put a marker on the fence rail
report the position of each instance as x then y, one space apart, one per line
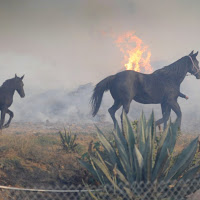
141 191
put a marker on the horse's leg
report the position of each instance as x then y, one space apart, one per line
166 110
166 115
161 120
176 108
11 116
126 107
113 109
3 113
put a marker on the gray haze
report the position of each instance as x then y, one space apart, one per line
59 45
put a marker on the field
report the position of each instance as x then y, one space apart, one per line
31 155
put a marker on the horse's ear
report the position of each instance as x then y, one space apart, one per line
15 75
195 55
22 77
191 53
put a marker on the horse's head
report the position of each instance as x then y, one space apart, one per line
19 85
194 65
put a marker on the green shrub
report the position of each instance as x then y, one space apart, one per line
68 141
139 156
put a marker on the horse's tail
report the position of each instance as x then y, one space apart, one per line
99 89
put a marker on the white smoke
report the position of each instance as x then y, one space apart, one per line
74 106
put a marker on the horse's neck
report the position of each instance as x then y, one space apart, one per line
9 91
178 75
179 79
12 92
9 88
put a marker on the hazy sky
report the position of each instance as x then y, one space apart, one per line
59 44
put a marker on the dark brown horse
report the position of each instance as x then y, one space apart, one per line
160 87
7 91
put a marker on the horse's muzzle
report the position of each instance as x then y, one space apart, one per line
22 96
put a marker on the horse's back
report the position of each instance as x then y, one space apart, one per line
143 88
130 78
124 84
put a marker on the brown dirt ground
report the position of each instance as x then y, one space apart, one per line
31 154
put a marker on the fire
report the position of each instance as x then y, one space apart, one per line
136 54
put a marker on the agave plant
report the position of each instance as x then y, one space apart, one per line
137 157
68 141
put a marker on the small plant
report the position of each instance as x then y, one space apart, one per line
137 157
135 125
68 141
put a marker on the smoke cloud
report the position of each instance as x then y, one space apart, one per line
74 107
59 46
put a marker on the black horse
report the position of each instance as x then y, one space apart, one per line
160 87
7 91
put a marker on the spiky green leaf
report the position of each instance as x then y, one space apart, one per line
128 132
183 161
110 150
191 173
163 155
148 158
139 162
102 166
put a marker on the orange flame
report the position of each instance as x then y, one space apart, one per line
136 55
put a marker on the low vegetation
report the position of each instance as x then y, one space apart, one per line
33 159
68 141
142 156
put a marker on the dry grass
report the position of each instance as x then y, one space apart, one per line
29 159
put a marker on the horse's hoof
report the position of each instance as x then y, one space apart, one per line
6 126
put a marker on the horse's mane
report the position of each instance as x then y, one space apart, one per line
174 68
7 83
